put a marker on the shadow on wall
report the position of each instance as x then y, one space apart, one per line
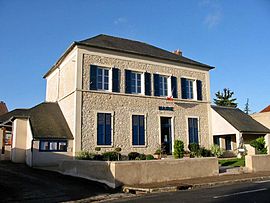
35 158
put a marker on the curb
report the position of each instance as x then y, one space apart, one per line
138 190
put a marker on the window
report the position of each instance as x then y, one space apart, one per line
102 79
53 145
228 144
193 130
163 86
189 89
104 129
216 140
136 80
8 137
138 130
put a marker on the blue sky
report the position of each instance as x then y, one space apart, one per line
233 36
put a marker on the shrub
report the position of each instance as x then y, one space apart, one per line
149 157
85 155
110 156
158 151
142 157
216 150
259 145
204 152
178 149
194 149
98 157
133 155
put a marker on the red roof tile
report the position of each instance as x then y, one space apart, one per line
267 109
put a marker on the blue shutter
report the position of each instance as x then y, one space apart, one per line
196 130
174 86
141 134
100 128
135 130
93 77
184 88
199 89
190 130
108 129
116 80
147 78
156 85
128 81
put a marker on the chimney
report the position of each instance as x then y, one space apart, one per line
178 52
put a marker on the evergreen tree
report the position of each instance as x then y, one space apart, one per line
225 98
247 109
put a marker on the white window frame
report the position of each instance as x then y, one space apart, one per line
109 79
112 129
161 81
136 82
145 130
187 127
194 87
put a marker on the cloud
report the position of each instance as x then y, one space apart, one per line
213 11
212 19
120 20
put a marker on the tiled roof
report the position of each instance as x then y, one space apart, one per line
267 109
130 46
240 120
136 47
3 108
46 119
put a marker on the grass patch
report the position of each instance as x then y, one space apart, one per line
232 162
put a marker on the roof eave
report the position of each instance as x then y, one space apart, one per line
62 57
135 53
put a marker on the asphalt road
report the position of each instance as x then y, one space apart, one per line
244 192
19 183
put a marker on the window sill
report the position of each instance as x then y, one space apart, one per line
139 146
104 146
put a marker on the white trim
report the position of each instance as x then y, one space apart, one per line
112 128
145 130
172 117
199 131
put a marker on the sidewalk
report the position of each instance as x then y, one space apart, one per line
197 183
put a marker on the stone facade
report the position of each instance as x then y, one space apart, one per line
123 106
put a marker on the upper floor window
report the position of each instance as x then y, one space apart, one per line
136 82
105 79
163 86
102 79
191 89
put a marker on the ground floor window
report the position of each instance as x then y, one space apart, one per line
104 129
217 140
228 143
53 145
193 130
138 130
8 138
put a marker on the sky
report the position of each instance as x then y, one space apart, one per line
233 36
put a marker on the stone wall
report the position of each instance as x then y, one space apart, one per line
257 163
122 106
118 173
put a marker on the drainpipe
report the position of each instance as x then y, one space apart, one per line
32 154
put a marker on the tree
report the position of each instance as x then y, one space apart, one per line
247 109
225 98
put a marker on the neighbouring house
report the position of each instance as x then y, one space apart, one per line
4 137
263 116
231 127
40 135
116 92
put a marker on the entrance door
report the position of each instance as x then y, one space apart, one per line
166 134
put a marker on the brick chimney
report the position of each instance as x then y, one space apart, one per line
3 108
178 52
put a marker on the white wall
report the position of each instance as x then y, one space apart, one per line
220 126
263 118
